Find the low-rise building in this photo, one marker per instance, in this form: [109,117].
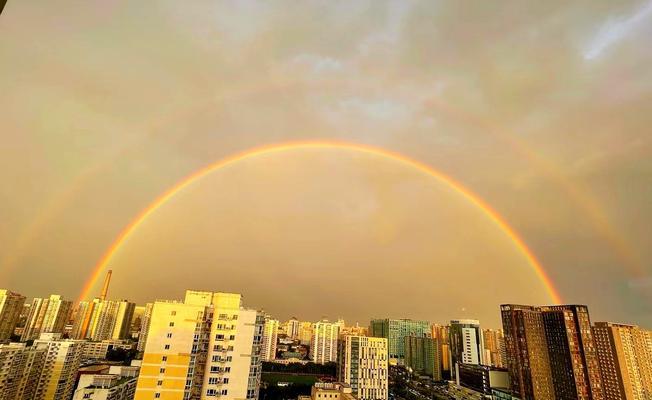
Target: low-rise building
[118,384]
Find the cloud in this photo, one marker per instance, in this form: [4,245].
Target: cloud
[614,31]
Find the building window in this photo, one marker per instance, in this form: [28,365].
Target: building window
[159,383]
[167,347]
[171,323]
[157,395]
[164,358]
[173,313]
[224,392]
[162,370]
[169,335]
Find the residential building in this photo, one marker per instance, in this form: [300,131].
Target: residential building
[363,364]
[291,328]
[118,384]
[144,327]
[323,345]
[99,350]
[11,305]
[270,338]
[423,357]
[305,333]
[625,359]
[20,371]
[494,347]
[110,320]
[395,331]
[204,347]
[466,343]
[63,358]
[356,330]
[46,315]
[330,391]
[551,353]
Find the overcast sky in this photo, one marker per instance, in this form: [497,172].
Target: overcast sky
[541,108]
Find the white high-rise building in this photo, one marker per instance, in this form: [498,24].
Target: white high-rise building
[48,315]
[204,347]
[323,345]
[270,338]
[363,364]
[292,328]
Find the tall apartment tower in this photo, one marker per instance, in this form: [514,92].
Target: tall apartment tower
[20,370]
[46,315]
[363,364]
[572,352]
[292,328]
[323,345]
[466,343]
[62,360]
[270,338]
[422,355]
[144,327]
[110,320]
[204,347]
[625,355]
[11,304]
[493,347]
[395,331]
[551,352]
[305,333]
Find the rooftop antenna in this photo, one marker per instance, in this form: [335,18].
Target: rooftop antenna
[105,288]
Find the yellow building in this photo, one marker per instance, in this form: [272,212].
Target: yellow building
[625,358]
[20,370]
[11,304]
[204,347]
[323,344]
[48,315]
[362,364]
[305,333]
[270,338]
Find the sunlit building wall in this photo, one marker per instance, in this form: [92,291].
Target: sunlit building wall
[305,333]
[466,343]
[323,345]
[624,353]
[63,358]
[423,357]
[20,370]
[11,305]
[270,338]
[144,327]
[46,315]
[205,347]
[291,328]
[363,364]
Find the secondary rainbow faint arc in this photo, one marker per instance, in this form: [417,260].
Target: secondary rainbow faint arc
[476,200]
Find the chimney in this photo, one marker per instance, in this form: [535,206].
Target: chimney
[105,288]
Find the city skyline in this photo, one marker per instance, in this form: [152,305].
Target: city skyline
[362,161]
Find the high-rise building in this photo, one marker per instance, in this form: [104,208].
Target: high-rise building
[422,356]
[305,333]
[63,358]
[291,328]
[110,320]
[625,359]
[356,330]
[362,364]
[466,343]
[323,344]
[20,370]
[144,327]
[204,347]
[572,352]
[395,331]
[82,318]
[11,305]
[270,338]
[527,353]
[551,352]
[493,347]
[46,315]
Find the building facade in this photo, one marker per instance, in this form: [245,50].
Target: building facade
[20,371]
[395,331]
[270,339]
[363,365]
[625,359]
[46,315]
[11,305]
[466,343]
[323,344]
[63,358]
[423,357]
[204,347]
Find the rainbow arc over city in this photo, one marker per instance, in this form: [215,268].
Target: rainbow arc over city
[124,235]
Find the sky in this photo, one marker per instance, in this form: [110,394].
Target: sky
[542,109]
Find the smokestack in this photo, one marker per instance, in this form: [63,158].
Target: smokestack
[105,289]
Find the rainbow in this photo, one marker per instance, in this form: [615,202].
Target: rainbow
[473,198]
